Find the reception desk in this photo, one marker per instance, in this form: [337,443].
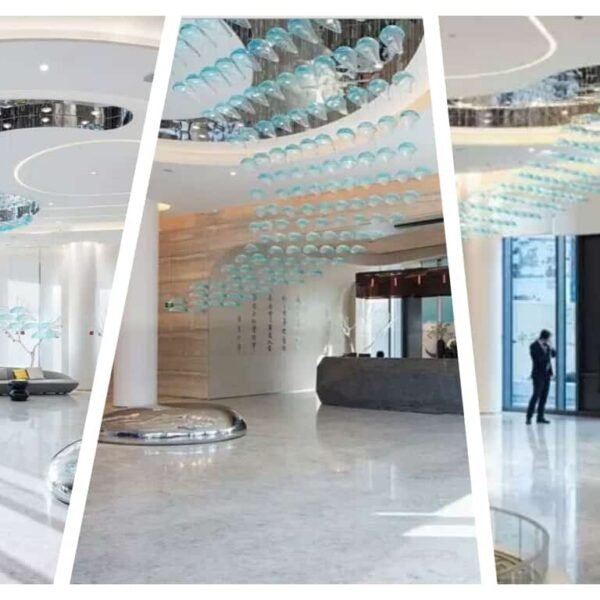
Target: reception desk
[401,384]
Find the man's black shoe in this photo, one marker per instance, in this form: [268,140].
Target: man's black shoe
[543,421]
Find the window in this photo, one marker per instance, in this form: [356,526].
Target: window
[540,282]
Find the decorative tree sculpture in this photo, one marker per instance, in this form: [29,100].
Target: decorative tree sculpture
[19,325]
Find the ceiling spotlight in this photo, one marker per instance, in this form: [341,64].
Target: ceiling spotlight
[46,109]
[45,119]
[50,203]
[7,125]
[233,173]
[93,173]
[44,67]
[85,122]
[531,149]
[95,112]
[163,206]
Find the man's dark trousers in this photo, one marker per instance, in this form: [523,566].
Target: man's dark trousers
[541,388]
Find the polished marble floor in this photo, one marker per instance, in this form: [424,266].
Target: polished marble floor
[31,521]
[312,494]
[551,474]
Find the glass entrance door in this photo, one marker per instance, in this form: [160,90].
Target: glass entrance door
[540,292]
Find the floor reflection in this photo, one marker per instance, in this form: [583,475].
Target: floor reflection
[551,474]
[299,499]
[32,521]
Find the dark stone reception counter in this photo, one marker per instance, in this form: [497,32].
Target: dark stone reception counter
[402,384]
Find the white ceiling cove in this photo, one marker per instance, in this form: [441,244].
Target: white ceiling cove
[487,55]
[80,178]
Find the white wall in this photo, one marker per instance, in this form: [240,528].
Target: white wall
[314,316]
[45,281]
[483,269]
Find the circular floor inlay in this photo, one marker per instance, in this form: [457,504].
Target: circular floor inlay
[166,425]
[61,473]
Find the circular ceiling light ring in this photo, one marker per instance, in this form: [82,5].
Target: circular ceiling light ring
[551,49]
[25,161]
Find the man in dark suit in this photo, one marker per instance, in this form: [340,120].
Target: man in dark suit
[542,354]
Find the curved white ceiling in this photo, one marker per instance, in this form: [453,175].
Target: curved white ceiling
[484,55]
[80,178]
[487,55]
[139,31]
[196,176]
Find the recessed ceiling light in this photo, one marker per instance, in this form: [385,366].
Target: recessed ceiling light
[50,203]
[93,173]
[46,109]
[45,119]
[233,173]
[6,125]
[531,149]
[85,122]
[95,112]
[44,67]
[163,206]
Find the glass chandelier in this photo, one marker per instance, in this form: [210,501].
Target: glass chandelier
[16,211]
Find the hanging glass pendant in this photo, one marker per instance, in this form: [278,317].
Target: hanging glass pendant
[272,89]
[334,25]
[280,38]
[262,49]
[347,59]
[303,29]
[317,110]
[392,37]
[283,122]
[337,104]
[244,60]
[299,116]
[367,49]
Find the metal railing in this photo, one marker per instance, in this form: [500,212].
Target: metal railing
[520,548]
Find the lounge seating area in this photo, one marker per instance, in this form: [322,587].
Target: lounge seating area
[40,382]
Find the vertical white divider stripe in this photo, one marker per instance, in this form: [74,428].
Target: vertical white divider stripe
[443,143]
[137,202]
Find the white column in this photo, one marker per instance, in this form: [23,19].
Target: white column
[136,360]
[81,312]
[483,264]
[5,343]
[106,259]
